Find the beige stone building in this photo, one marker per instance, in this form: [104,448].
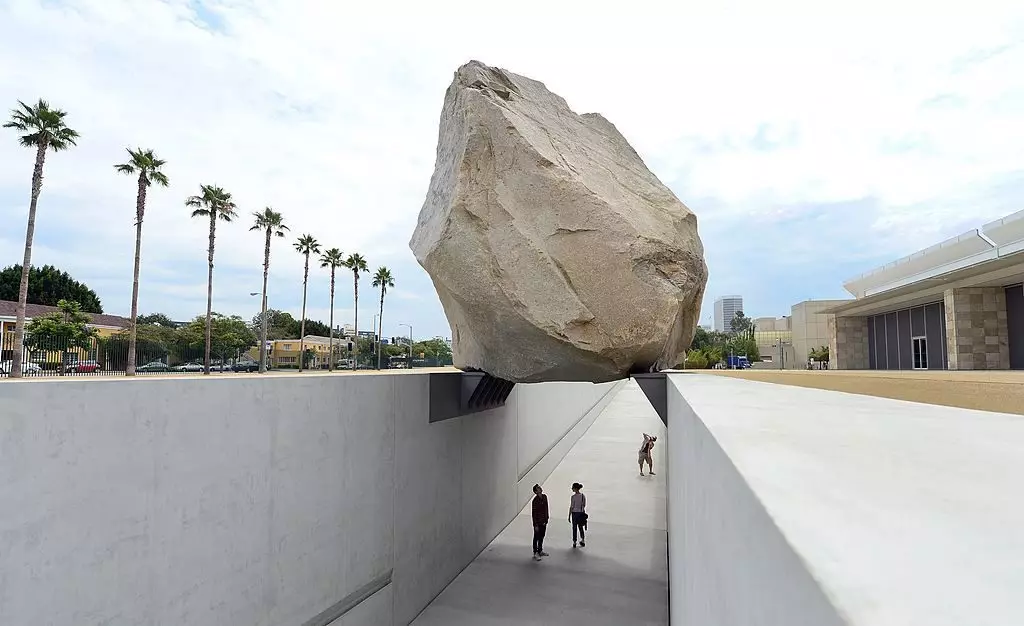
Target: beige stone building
[957,305]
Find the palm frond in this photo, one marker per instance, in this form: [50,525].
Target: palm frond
[125,168]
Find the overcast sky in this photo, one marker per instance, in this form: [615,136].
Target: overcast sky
[811,148]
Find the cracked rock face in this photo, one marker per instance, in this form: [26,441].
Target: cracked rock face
[556,253]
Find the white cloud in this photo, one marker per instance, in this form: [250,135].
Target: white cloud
[328,113]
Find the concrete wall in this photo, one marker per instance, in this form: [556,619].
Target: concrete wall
[249,500]
[810,328]
[792,506]
[728,563]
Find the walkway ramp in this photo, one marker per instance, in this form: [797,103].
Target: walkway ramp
[621,577]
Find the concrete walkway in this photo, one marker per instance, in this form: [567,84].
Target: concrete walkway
[620,578]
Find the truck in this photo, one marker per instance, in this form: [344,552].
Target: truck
[737,362]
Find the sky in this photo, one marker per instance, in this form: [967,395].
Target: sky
[812,147]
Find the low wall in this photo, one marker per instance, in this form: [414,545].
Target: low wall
[248,500]
[792,506]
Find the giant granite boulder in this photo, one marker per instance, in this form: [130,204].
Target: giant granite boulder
[556,253]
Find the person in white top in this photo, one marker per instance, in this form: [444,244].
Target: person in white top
[578,515]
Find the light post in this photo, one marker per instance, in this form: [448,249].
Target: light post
[410,343]
[263,332]
[376,340]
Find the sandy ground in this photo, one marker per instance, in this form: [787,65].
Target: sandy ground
[1001,391]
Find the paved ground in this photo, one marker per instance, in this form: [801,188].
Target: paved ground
[1000,391]
[619,579]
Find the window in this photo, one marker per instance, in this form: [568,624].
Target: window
[287,347]
[920,353]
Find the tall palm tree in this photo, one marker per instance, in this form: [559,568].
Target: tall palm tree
[212,202]
[272,223]
[333,259]
[44,129]
[147,166]
[305,245]
[385,281]
[356,263]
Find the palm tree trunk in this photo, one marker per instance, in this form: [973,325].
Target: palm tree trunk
[209,293]
[140,210]
[356,322]
[26,264]
[330,351]
[380,326]
[302,324]
[263,314]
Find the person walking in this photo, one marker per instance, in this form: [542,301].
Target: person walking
[645,453]
[578,514]
[540,522]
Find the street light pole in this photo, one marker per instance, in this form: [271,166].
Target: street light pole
[376,340]
[410,343]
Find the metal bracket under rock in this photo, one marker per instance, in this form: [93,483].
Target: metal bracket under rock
[454,394]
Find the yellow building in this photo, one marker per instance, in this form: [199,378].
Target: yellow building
[285,352]
[105,326]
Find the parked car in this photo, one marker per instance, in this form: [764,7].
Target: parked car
[246,365]
[82,367]
[27,368]
[188,367]
[154,366]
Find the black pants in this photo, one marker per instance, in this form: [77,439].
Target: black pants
[539,530]
[578,523]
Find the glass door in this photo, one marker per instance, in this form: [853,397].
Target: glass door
[920,345]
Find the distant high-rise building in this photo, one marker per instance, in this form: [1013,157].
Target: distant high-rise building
[726,308]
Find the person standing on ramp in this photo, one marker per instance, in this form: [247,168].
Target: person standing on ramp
[540,522]
[645,453]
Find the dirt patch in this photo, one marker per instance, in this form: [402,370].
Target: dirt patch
[1002,392]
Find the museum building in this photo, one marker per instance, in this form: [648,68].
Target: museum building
[957,305]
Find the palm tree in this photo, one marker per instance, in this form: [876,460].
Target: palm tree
[272,223]
[384,280]
[213,202]
[332,258]
[305,245]
[42,128]
[356,263]
[147,165]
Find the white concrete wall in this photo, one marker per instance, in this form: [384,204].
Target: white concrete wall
[792,506]
[255,501]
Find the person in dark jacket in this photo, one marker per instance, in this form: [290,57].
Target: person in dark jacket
[540,522]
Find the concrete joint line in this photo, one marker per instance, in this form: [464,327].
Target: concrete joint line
[350,601]
[615,389]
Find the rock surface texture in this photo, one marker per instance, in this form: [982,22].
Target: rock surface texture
[556,253]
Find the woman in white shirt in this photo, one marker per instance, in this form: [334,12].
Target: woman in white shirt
[578,515]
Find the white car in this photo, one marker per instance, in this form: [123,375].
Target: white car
[26,367]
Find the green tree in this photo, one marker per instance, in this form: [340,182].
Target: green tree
[280,325]
[819,354]
[741,324]
[42,128]
[156,319]
[435,349]
[212,203]
[147,166]
[154,341]
[333,259]
[356,263]
[305,245]
[384,280]
[48,285]
[696,359]
[272,224]
[222,335]
[62,331]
